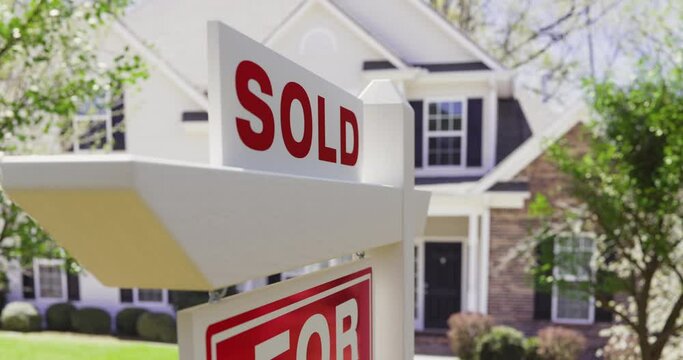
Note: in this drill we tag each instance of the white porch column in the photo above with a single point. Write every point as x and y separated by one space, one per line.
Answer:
484 261
473 260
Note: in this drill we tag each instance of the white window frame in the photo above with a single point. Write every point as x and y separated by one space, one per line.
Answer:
555 295
136 297
109 132
37 278
420 243
443 170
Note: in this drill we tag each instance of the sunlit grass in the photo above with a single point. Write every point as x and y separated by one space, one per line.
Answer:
67 346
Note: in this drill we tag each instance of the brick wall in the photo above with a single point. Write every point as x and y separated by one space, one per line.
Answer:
511 294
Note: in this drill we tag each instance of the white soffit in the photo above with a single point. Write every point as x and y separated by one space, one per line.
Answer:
146 223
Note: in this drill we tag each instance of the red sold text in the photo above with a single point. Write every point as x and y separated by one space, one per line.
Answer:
292 92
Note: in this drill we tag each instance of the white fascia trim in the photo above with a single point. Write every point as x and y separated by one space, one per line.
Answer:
393 74
442 204
449 188
457 35
463 76
445 204
348 22
153 59
531 149
506 199
287 23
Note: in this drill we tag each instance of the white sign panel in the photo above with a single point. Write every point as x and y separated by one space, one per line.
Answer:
324 315
268 113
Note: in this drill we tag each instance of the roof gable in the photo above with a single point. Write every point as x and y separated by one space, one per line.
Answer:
326 42
175 30
329 8
422 36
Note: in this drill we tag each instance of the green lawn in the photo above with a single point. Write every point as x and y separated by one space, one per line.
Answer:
67 346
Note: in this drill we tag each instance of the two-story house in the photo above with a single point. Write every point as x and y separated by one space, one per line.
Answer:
478 140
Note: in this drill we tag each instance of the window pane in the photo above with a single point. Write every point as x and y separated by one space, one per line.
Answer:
444 109
444 150
98 106
444 158
445 124
150 295
456 123
573 303
432 109
445 116
573 257
456 108
50 281
91 134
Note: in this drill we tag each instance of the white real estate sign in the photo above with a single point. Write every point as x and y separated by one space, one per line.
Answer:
291 184
268 113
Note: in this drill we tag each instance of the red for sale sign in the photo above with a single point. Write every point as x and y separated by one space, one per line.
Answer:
330 321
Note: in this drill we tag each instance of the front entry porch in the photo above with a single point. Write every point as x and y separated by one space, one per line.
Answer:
447 271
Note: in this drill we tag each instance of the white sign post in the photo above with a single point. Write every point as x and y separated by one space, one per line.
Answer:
389 160
253 125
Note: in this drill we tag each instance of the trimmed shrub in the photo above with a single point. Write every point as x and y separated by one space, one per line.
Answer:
20 316
531 349
502 343
58 316
157 327
558 343
127 320
187 299
91 321
464 331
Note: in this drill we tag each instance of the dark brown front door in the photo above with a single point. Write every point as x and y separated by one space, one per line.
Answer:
443 270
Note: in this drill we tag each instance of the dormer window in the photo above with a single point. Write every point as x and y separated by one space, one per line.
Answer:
92 125
98 126
445 134
448 139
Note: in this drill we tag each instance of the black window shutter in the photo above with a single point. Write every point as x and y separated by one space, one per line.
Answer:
601 314
543 295
474 131
417 108
118 126
126 295
275 278
73 285
28 284
172 296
